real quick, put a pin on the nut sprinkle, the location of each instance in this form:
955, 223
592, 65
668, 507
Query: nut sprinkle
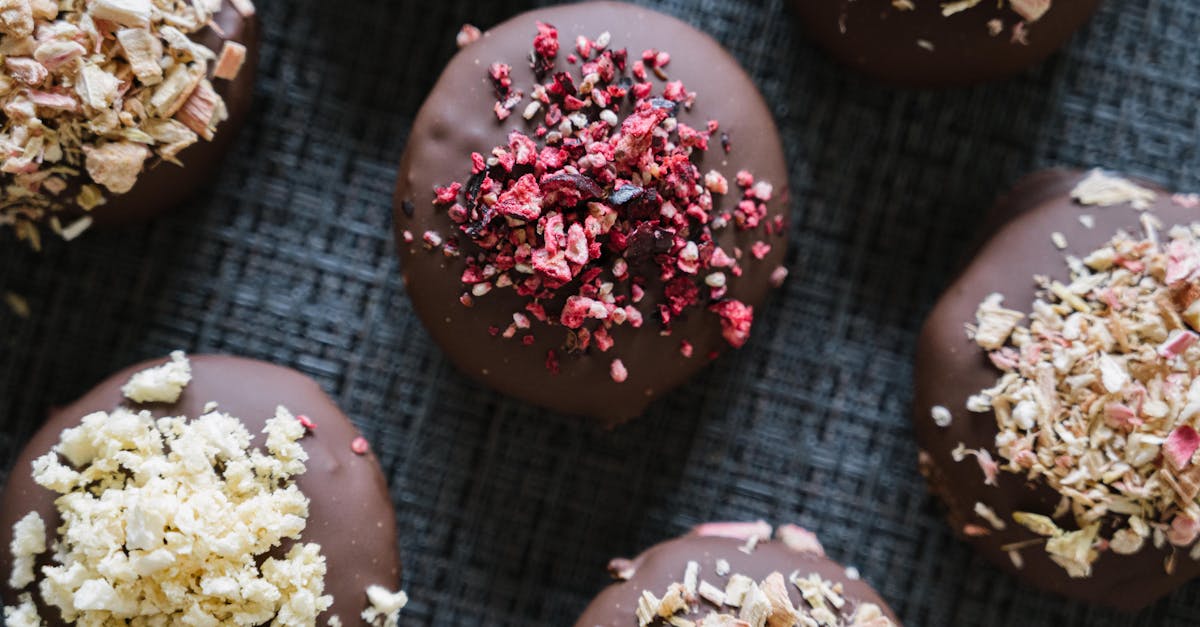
94, 92
1099, 398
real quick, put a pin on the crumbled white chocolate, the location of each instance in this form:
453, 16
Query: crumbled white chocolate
179, 511
161, 384
941, 416
28, 541
385, 607
995, 323
24, 614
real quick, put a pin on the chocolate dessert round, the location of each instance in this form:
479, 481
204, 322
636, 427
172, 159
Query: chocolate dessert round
621, 238
709, 571
162, 185
350, 514
1115, 562
128, 132
935, 44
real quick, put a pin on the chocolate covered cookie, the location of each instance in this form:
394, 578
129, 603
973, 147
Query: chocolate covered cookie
211, 488
1055, 390
925, 43
591, 207
727, 574
115, 110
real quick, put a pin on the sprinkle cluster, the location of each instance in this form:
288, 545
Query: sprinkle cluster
94, 90
744, 602
600, 202
1099, 398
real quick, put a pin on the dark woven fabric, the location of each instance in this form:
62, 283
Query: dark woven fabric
507, 515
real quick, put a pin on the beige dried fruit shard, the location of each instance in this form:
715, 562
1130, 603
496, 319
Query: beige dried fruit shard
57, 53
1105, 190
243, 7
1074, 550
1031, 10
170, 95
26, 70
97, 88
44, 9
116, 165
202, 111
143, 51
950, 8
783, 613
172, 136
229, 64
16, 18
995, 323
123, 12
1037, 523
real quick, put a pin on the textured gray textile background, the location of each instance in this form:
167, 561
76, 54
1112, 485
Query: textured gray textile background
507, 515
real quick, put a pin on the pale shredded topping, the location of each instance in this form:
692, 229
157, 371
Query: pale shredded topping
1100, 396
744, 602
1102, 189
94, 92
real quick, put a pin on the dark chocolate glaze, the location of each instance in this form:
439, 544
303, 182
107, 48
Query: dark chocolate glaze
664, 564
350, 513
163, 185
950, 368
876, 38
457, 119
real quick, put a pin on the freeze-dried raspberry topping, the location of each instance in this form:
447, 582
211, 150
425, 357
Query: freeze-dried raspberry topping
599, 202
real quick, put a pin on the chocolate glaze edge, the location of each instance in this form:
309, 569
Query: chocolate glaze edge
949, 368
663, 564
457, 119
350, 511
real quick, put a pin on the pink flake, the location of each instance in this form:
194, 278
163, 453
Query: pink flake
360, 446
1187, 201
306, 422
800, 539
618, 371
446, 195
523, 200
50, 100
1181, 444
734, 530
1183, 531
1176, 344
736, 319
1120, 416
760, 249
545, 44
1181, 261
686, 349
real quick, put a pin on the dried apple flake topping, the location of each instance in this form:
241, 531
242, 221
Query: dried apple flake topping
94, 92
600, 201
736, 600
1099, 398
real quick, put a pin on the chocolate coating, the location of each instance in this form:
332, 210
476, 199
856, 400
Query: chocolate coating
950, 368
875, 37
350, 513
163, 185
664, 564
457, 119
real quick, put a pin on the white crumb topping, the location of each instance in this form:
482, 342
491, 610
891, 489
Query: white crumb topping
168, 521
28, 541
161, 384
385, 606
22, 615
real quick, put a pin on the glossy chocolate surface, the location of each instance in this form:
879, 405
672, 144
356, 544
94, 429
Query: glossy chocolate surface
950, 368
350, 512
876, 37
457, 119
